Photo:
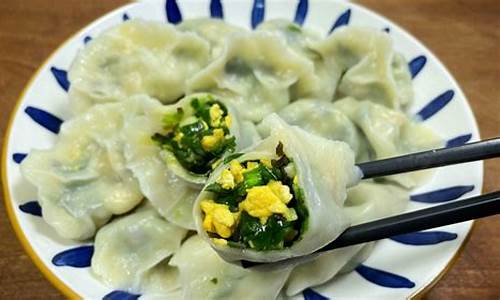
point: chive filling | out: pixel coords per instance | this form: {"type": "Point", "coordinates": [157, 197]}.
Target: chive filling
{"type": "Point", "coordinates": [256, 204]}
{"type": "Point", "coordinates": [200, 139]}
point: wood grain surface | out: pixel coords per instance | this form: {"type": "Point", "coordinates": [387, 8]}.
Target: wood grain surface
{"type": "Point", "coordinates": [465, 35]}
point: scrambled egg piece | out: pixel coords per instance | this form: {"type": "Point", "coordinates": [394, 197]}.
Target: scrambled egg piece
{"type": "Point", "coordinates": [218, 218]}
{"type": "Point", "coordinates": [219, 242]}
{"type": "Point", "coordinates": [266, 162]}
{"type": "Point", "coordinates": [251, 165]}
{"type": "Point", "coordinates": [226, 180]}
{"type": "Point", "coordinates": [227, 121]}
{"type": "Point", "coordinates": [209, 142]}
{"type": "Point", "coordinates": [263, 201]}
{"type": "Point", "coordinates": [216, 115]}
{"type": "Point", "coordinates": [237, 170]}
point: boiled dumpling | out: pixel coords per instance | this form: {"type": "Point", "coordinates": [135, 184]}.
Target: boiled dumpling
{"type": "Point", "coordinates": [281, 199]}
{"type": "Point", "coordinates": [391, 133]}
{"type": "Point", "coordinates": [214, 31]}
{"type": "Point", "coordinates": [258, 73]}
{"type": "Point", "coordinates": [321, 118]}
{"type": "Point", "coordinates": [370, 67]}
{"type": "Point", "coordinates": [82, 181]}
{"type": "Point", "coordinates": [164, 149]}
{"type": "Point", "coordinates": [204, 275]}
{"type": "Point", "coordinates": [302, 41]}
{"type": "Point", "coordinates": [365, 202]}
{"type": "Point", "coordinates": [129, 252]}
{"type": "Point", "coordinates": [135, 57]}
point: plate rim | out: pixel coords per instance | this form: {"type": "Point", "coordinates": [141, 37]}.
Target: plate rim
{"type": "Point", "coordinates": [65, 289]}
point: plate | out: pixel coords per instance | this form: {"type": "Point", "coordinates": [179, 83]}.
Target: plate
{"type": "Point", "coordinates": [400, 267]}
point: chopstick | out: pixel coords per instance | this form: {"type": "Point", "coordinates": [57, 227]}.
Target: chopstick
{"type": "Point", "coordinates": [430, 159]}
{"type": "Point", "coordinates": [441, 215]}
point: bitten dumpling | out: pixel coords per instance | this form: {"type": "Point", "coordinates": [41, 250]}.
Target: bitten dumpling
{"type": "Point", "coordinates": [135, 57]}
{"type": "Point", "coordinates": [171, 149]}
{"type": "Point", "coordinates": [82, 180]}
{"type": "Point", "coordinates": [282, 198]}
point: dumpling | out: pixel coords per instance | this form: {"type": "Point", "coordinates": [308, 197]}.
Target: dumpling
{"type": "Point", "coordinates": [163, 146]}
{"type": "Point", "coordinates": [391, 133]}
{"type": "Point", "coordinates": [214, 31]}
{"type": "Point", "coordinates": [82, 180]}
{"type": "Point", "coordinates": [370, 67]}
{"type": "Point", "coordinates": [129, 252]}
{"type": "Point", "coordinates": [258, 73]}
{"type": "Point", "coordinates": [321, 118]}
{"type": "Point", "coordinates": [135, 57]}
{"type": "Point", "coordinates": [204, 275]}
{"type": "Point", "coordinates": [281, 199]}
{"type": "Point", "coordinates": [302, 41]}
{"type": "Point", "coordinates": [365, 202]}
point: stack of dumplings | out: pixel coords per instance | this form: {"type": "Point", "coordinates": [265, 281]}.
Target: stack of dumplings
{"type": "Point", "coordinates": [193, 146]}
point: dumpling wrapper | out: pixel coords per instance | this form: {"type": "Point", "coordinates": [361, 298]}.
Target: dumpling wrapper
{"type": "Point", "coordinates": [83, 180]}
{"type": "Point", "coordinates": [135, 57]}
{"type": "Point", "coordinates": [302, 41]}
{"type": "Point", "coordinates": [324, 168]}
{"type": "Point", "coordinates": [204, 275]}
{"type": "Point", "coordinates": [129, 252]}
{"type": "Point", "coordinates": [323, 119]}
{"type": "Point", "coordinates": [214, 31]}
{"type": "Point", "coordinates": [365, 202]}
{"type": "Point", "coordinates": [370, 67]}
{"type": "Point", "coordinates": [258, 73]}
{"type": "Point", "coordinates": [391, 133]}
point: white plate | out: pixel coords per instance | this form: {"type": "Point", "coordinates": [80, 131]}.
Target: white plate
{"type": "Point", "coordinates": [397, 268]}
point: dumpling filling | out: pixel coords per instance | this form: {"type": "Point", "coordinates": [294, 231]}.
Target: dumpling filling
{"type": "Point", "coordinates": [256, 204]}
{"type": "Point", "coordinates": [198, 139]}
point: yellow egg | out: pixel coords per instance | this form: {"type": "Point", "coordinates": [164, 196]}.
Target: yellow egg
{"type": "Point", "coordinates": [218, 218]}
{"type": "Point", "coordinates": [209, 142]}
{"type": "Point", "coordinates": [227, 121]}
{"type": "Point", "coordinates": [215, 115]}
{"type": "Point", "coordinates": [251, 165]}
{"type": "Point", "coordinates": [266, 162]}
{"type": "Point", "coordinates": [237, 170]}
{"type": "Point", "coordinates": [226, 180]}
{"type": "Point", "coordinates": [219, 242]}
{"type": "Point", "coordinates": [263, 201]}
{"type": "Point", "coordinates": [178, 136]}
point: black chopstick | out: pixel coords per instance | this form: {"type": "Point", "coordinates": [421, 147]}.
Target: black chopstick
{"type": "Point", "coordinates": [431, 159]}
{"type": "Point", "coordinates": [441, 215]}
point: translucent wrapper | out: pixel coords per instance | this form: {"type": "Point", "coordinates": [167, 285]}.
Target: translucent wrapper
{"type": "Point", "coordinates": [324, 170]}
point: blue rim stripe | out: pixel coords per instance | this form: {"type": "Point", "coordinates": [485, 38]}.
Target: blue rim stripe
{"type": "Point", "coordinates": [442, 195]}
{"type": "Point", "coordinates": [61, 77]}
{"type": "Point", "coordinates": [342, 20]}
{"type": "Point", "coordinates": [383, 278]}
{"type": "Point", "coordinates": [424, 238]}
{"type": "Point", "coordinates": [301, 12]}
{"type": "Point", "coordinates": [120, 295]}
{"type": "Point", "coordinates": [416, 65]}
{"type": "Point", "coordinates": [79, 257]}
{"type": "Point", "coordinates": [44, 119]}
{"type": "Point", "coordinates": [125, 17]}
{"type": "Point", "coordinates": [32, 208]}
{"type": "Point", "coordinates": [216, 9]}
{"type": "Point", "coordinates": [436, 105]}
{"type": "Point", "coordinates": [459, 140]}
{"type": "Point", "coordinates": [87, 39]}
{"type": "Point", "coordinates": [258, 12]}
{"type": "Point", "coordinates": [173, 12]}
{"type": "Point", "coordinates": [18, 157]}
{"type": "Point", "coordinates": [310, 294]}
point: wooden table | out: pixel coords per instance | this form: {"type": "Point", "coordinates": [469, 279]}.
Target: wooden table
{"type": "Point", "coordinates": [465, 35]}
